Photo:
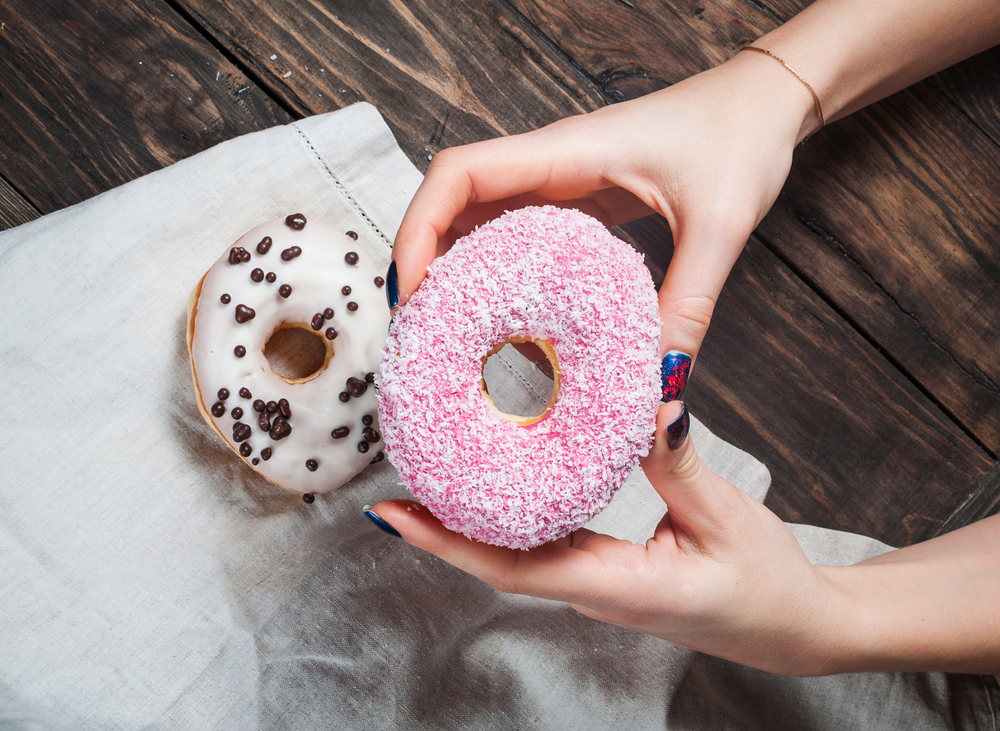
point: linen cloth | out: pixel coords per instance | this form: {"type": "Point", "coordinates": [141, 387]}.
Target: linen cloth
{"type": "Point", "coordinates": [150, 580]}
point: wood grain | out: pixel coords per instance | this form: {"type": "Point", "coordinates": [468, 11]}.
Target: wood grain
{"type": "Point", "coordinates": [442, 73]}
{"type": "Point", "coordinates": [15, 209]}
{"type": "Point", "coordinates": [97, 95]}
{"type": "Point", "coordinates": [913, 204]}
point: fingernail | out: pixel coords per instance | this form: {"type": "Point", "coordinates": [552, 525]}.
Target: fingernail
{"type": "Point", "coordinates": [379, 523]}
{"type": "Point", "coordinates": [392, 286]}
{"type": "Point", "coordinates": [677, 430]}
{"type": "Point", "coordinates": [674, 372]}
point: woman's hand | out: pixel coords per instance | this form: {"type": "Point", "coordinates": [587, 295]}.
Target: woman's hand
{"type": "Point", "coordinates": [722, 574]}
{"type": "Point", "coordinates": [709, 153]}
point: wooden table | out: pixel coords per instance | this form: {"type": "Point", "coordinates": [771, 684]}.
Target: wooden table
{"type": "Point", "coordinates": [855, 350]}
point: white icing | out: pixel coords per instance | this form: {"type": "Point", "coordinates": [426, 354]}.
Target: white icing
{"type": "Point", "coordinates": [316, 278]}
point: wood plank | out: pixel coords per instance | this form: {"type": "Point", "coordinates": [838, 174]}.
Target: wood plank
{"type": "Point", "coordinates": [851, 444]}
{"type": "Point", "coordinates": [15, 209]}
{"type": "Point", "coordinates": [98, 94]}
{"type": "Point", "coordinates": [442, 73]}
{"type": "Point", "coordinates": [982, 502]}
{"type": "Point", "coordinates": [902, 165]}
{"type": "Point", "coordinates": [912, 204]}
{"type": "Point", "coordinates": [974, 86]}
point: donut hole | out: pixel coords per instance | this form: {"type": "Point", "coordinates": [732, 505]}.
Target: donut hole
{"type": "Point", "coordinates": [515, 404]}
{"type": "Point", "coordinates": [297, 353]}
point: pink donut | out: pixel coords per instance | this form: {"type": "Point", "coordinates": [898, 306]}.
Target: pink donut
{"type": "Point", "coordinates": [557, 277]}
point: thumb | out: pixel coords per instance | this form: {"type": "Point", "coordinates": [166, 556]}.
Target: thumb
{"type": "Point", "coordinates": [696, 497]}
{"type": "Point", "coordinates": [699, 267]}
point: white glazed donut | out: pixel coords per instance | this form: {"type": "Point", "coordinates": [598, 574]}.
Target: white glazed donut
{"type": "Point", "coordinates": [311, 434]}
{"type": "Point", "coordinates": [557, 277]}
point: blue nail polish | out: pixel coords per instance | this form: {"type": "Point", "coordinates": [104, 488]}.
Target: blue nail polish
{"type": "Point", "coordinates": [392, 286]}
{"type": "Point", "coordinates": [674, 372]}
{"type": "Point", "coordinates": [677, 430]}
{"type": "Point", "coordinates": [379, 523]}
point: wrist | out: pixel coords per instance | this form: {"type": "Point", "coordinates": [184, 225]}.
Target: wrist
{"type": "Point", "coordinates": [787, 102]}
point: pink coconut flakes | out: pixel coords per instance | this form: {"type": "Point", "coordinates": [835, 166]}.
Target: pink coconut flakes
{"type": "Point", "coordinates": [545, 273]}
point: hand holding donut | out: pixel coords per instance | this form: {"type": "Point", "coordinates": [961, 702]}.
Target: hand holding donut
{"type": "Point", "coordinates": [722, 574]}
{"type": "Point", "coordinates": [710, 154]}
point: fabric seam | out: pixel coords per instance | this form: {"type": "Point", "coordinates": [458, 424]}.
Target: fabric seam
{"type": "Point", "coordinates": [527, 384]}
{"type": "Point", "coordinates": [343, 189]}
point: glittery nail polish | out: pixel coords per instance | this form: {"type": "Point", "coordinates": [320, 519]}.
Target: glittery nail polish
{"type": "Point", "coordinates": [674, 372]}
{"type": "Point", "coordinates": [392, 286]}
{"type": "Point", "coordinates": [379, 523]}
{"type": "Point", "coordinates": [677, 430]}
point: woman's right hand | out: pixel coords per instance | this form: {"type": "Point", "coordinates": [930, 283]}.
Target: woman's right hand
{"type": "Point", "coordinates": [710, 154]}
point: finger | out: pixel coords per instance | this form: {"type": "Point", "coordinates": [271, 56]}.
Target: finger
{"type": "Point", "coordinates": [701, 262]}
{"type": "Point", "coordinates": [565, 570]}
{"type": "Point", "coordinates": [482, 172]}
{"type": "Point", "coordinates": [696, 497]}
{"type": "Point", "coordinates": [467, 186]}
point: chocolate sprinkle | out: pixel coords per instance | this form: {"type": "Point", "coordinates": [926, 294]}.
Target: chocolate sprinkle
{"type": "Point", "coordinates": [286, 410]}
{"type": "Point", "coordinates": [367, 419]}
{"type": "Point", "coordinates": [263, 423]}
{"type": "Point", "coordinates": [270, 277]}
{"type": "Point", "coordinates": [258, 406]}
{"type": "Point", "coordinates": [238, 255]}
{"type": "Point", "coordinates": [245, 393]}
{"type": "Point", "coordinates": [241, 431]}
{"type": "Point", "coordinates": [265, 453]}
{"type": "Point", "coordinates": [328, 313]}
{"type": "Point", "coordinates": [371, 435]}
{"type": "Point", "coordinates": [352, 306]}
{"type": "Point", "coordinates": [255, 461]}
{"type": "Point", "coordinates": [356, 387]}
{"type": "Point", "coordinates": [352, 235]}
{"type": "Point", "coordinates": [245, 449]}
{"type": "Point", "coordinates": [344, 396]}
{"type": "Point", "coordinates": [370, 377]}
{"type": "Point", "coordinates": [223, 394]}
{"type": "Point", "coordinates": [296, 221]}
{"type": "Point", "coordinates": [345, 290]}
{"type": "Point", "coordinates": [218, 409]}
{"type": "Point", "coordinates": [280, 428]}
{"type": "Point", "coordinates": [331, 333]}
{"type": "Point", "coordinates": [378, 457]}
{"type": "Point", "coordinates": [379, 282]}
{"type": "Point", "coordinates": [264, 246]}
{"type": "Point", "coordinates": [257, 275]}
{"type": "Point", "coordinates": [225, 299]}
{"type": "Point", "coordinates": [317, 321]}
{"type": "Point", "coordinates": [272, 406]}
{"type": "Point", "coordinates": [311, 465]}
{"type": "Point", "coordinates": [244, 313]}
{"type": "Point", "coordinates": [362, 447]}
{"type": "Point", "coordinates": [340, 432]}
{"type": "Point", "coordinates": [239, 351]}
{"type": "Point", "coordinates": [351, 257]}
{"type": "Point", "coordinates": [307, 497]}
{"type": "Point", "coordinates": [284, 290]}
{"type": "Point", "coordinates": [237, 412]}
{"type": "Point", "coordinates": [290, 253]}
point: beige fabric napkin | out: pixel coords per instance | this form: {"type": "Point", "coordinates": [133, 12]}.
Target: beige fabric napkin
{"type": "Point", "coordinates": [149, 580]}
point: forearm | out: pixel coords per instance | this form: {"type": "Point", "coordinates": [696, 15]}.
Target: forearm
{"type": "Point", "coordinates": [931, 606]}
{"type": "Point", "coordinates": [854, 52]}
